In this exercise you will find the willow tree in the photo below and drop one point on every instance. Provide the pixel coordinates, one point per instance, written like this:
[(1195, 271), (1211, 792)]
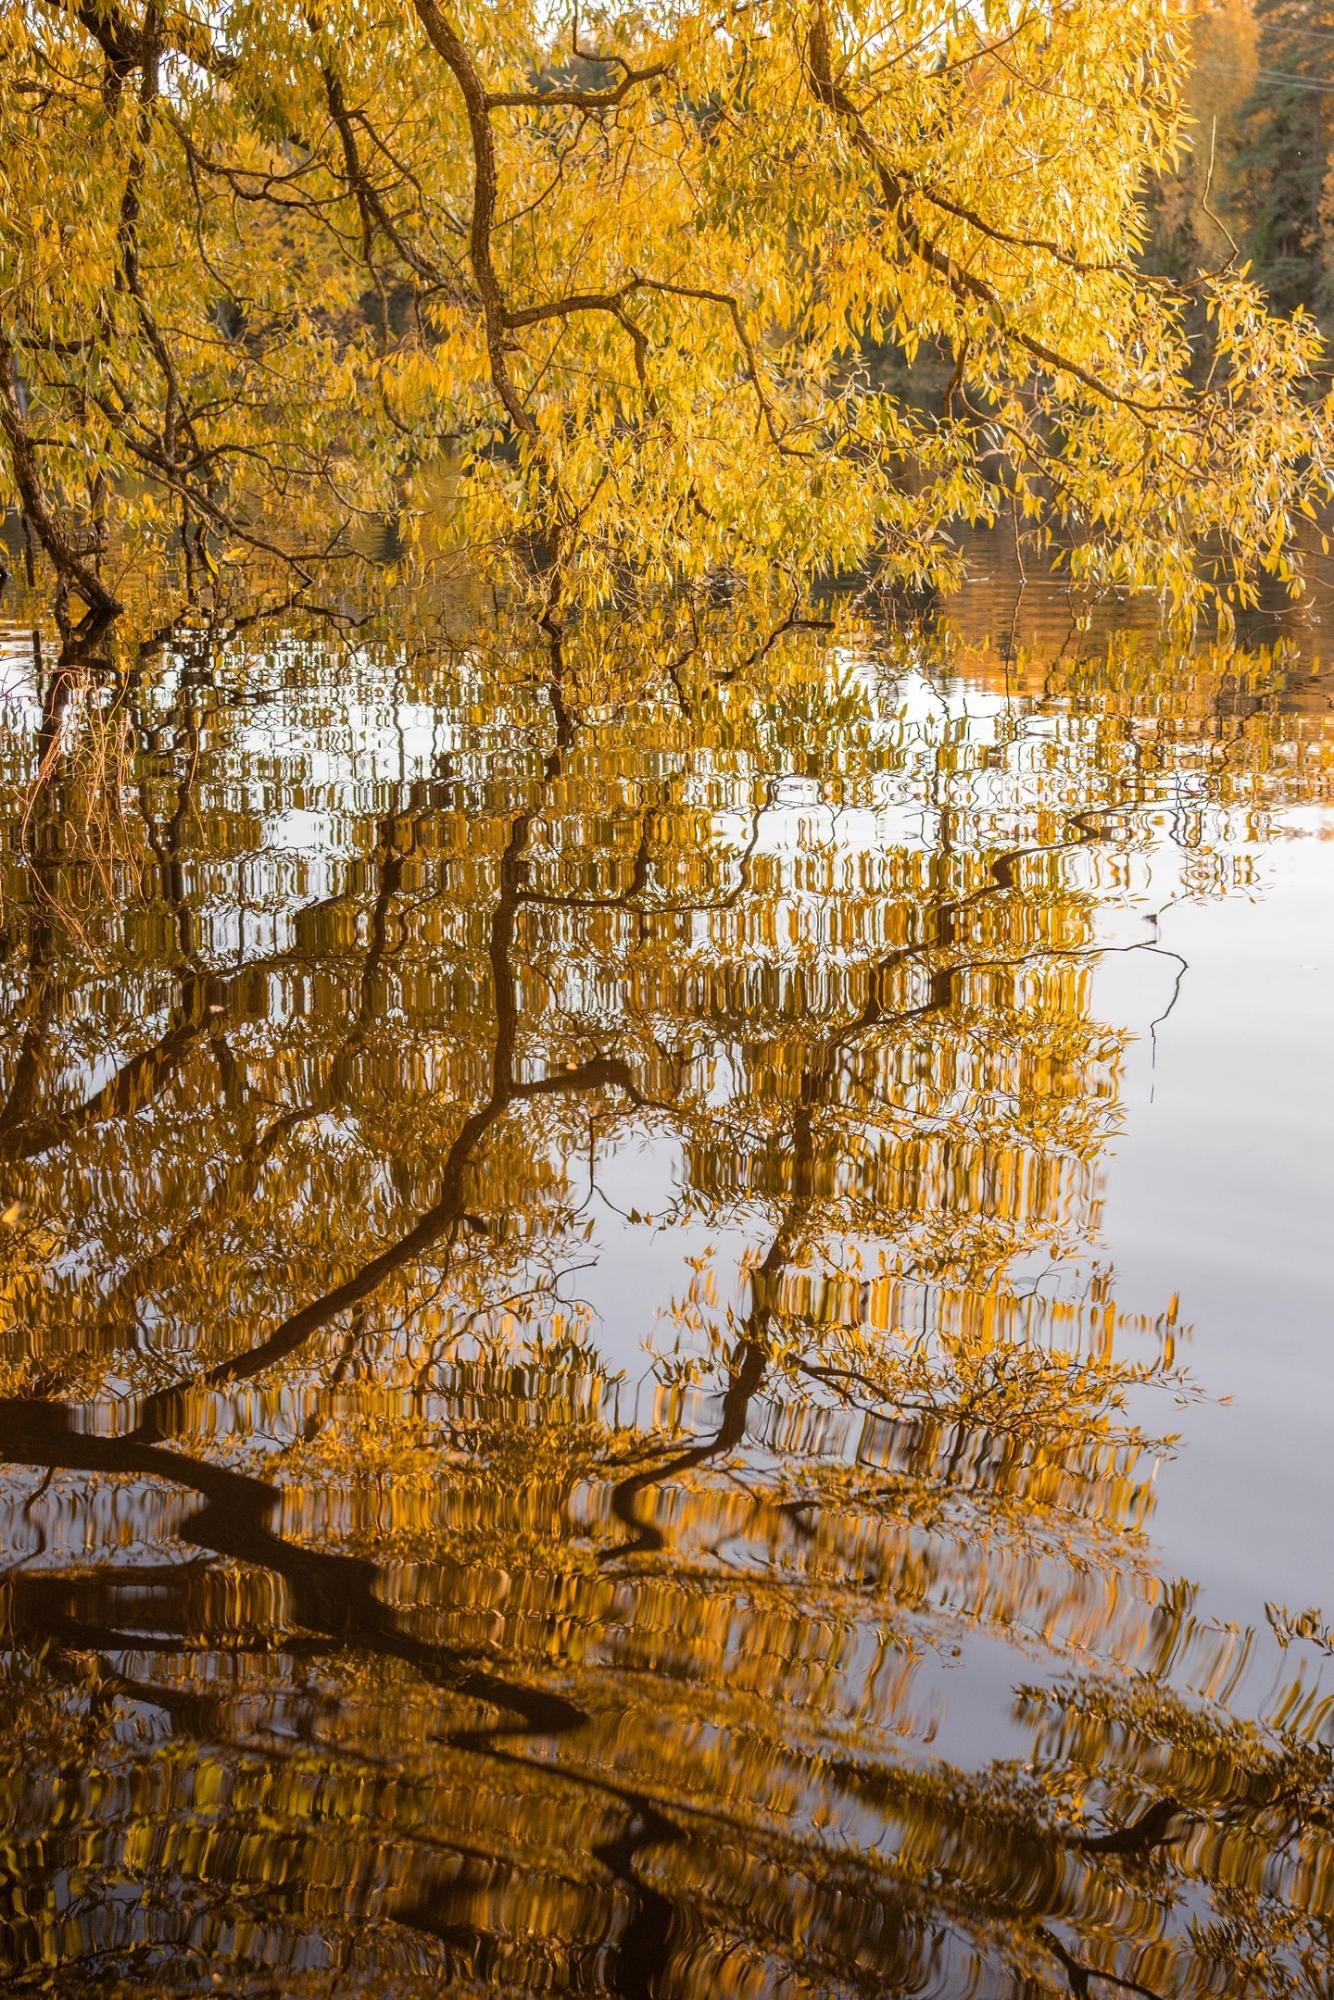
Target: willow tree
[(264, 269), (368, 1601)]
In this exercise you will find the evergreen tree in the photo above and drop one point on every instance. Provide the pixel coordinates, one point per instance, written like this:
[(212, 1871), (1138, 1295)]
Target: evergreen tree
[(1283, 160), (1195, 207)]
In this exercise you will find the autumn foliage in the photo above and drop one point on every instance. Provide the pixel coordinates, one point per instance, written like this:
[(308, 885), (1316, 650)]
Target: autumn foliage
[(604, 293)]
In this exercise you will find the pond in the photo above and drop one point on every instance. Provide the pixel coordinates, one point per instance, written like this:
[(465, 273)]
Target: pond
[(671, 1342)]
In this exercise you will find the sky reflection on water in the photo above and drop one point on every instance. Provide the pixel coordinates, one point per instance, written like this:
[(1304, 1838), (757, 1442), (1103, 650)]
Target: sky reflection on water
[(613, 1326)]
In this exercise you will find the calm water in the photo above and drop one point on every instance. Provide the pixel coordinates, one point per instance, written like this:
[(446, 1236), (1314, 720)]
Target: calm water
[(670, 1347)]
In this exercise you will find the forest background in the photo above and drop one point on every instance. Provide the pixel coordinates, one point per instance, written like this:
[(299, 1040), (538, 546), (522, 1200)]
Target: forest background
[(1260, 94)]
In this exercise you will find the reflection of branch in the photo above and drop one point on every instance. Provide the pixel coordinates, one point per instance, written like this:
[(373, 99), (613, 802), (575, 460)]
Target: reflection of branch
[(448, 1212), (141, 1077), (1156, 1023), (749, 1360), (1152, 1829), (331, 1594), (21, 1097), (127, 1091), (747, 1365), (793, 622), (443, 1217), (632, 897), (1080, 1974)]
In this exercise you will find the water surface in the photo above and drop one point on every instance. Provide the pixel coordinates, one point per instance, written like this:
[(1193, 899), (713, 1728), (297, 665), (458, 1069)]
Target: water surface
[(668, 1345)]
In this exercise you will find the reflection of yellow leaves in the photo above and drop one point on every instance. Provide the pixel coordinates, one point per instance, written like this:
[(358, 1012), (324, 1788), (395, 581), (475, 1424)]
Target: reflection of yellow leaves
[(894, 1144), (28, 1244), (1311, 1625)]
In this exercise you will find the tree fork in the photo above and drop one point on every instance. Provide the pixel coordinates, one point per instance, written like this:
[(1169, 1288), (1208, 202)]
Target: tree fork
[(69, 561)]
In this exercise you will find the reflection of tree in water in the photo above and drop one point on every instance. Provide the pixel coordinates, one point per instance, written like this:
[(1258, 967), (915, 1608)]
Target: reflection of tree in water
[(394, 1634)]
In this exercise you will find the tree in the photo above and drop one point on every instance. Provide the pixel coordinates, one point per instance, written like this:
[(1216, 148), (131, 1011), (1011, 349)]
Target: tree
[(1284, 156), (621, 268), (1195, 216)]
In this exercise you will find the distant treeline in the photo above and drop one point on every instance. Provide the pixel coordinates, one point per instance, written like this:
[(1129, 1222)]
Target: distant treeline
[(1262, 169)]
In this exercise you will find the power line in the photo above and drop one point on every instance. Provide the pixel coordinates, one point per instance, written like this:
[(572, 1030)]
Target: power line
[(1321, 87), (1299, 34)]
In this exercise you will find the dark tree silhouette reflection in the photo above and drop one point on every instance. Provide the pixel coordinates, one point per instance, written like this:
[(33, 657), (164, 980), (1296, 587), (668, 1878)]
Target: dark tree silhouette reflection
[(433, 1562)]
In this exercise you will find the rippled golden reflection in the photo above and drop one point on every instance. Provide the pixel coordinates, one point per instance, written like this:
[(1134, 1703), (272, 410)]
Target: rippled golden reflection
[(566, 1428)]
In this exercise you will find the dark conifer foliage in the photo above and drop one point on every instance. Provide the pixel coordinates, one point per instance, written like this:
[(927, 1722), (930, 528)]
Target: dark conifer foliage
[(1285, 134)]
